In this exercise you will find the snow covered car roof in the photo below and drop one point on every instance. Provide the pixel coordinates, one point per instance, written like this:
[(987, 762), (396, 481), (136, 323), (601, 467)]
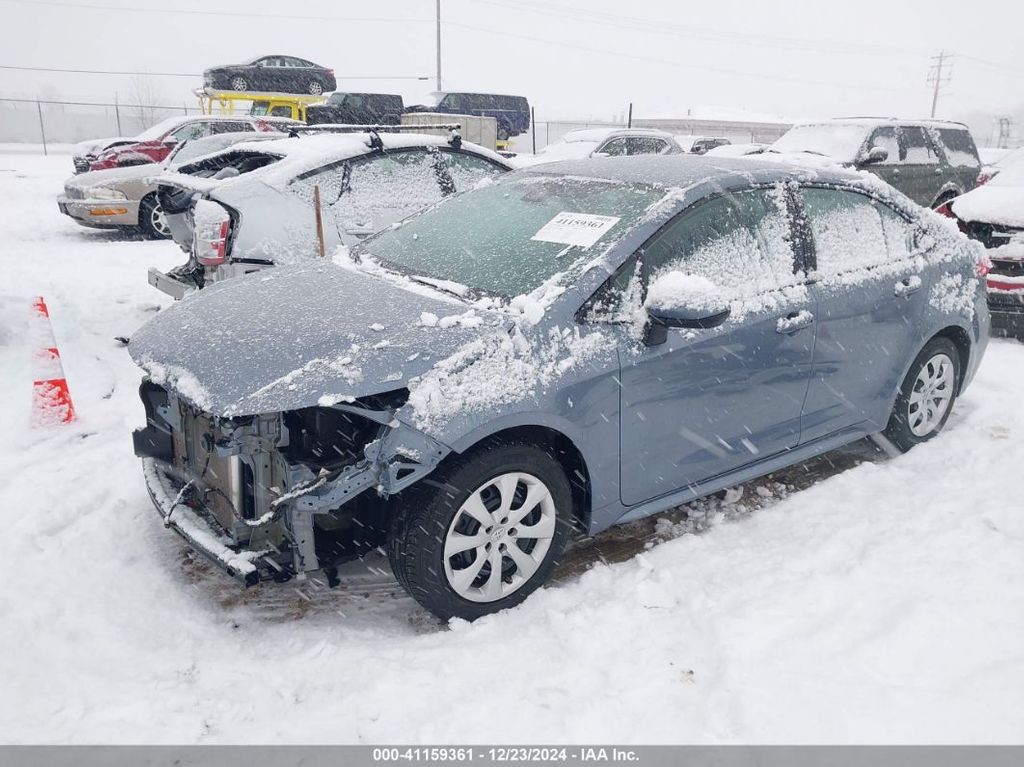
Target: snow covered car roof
[(685, 170), (299, 154), (599, 134)]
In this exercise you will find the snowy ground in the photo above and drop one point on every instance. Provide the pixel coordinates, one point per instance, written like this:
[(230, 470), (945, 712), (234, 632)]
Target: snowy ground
[(854, 599)]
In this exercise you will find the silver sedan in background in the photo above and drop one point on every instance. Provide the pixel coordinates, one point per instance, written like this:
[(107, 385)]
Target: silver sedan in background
[(126, 197)]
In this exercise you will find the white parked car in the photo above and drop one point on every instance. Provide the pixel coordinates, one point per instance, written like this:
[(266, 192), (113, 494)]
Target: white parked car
[(606, 142), (119, 198), (700, 144), (253, 205)]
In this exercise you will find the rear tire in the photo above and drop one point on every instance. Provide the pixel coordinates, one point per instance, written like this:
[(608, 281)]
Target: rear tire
[(315, 88), (152, 221), (483, 533), (927, 395)]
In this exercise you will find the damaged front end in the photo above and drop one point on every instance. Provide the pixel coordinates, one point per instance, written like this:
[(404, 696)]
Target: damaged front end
[(277, 495)]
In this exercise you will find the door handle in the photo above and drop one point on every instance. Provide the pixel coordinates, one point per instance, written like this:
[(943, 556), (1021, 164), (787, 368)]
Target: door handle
[(896, 171), (794, 322), (907, 286), (938, 171)]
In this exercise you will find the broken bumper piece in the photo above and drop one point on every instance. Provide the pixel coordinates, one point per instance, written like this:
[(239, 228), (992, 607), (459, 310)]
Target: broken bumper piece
[(249, 567)]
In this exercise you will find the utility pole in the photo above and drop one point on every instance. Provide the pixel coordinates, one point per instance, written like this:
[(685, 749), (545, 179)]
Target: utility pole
[(438, 25), (935, 76)]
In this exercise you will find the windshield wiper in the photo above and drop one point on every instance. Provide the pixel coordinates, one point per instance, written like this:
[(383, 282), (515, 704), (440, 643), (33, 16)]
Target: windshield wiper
[(445, 286)]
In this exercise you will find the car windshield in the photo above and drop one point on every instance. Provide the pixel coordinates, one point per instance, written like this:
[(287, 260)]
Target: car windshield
[(509, 238), (158, 130), (189, 150), (840, 142)]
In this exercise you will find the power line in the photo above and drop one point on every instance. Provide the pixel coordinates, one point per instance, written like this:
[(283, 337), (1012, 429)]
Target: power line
[(237, 14), (98, 71), (182, 74), (704, 34), (669, 62)]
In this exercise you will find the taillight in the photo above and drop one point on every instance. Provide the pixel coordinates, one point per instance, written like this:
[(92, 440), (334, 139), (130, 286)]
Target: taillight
[(985, 176), (211, 227), (984, 265), (945, 210)]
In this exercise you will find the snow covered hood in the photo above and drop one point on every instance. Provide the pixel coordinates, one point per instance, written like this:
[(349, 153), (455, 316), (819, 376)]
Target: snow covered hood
[(992, 204), (295, 337), (111, 177)]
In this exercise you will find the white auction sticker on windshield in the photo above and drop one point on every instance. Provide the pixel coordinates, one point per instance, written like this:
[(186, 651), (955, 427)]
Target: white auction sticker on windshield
[(582, 229)]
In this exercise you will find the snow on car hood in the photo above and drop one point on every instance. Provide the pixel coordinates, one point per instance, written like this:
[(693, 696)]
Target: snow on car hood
[(112, 176), (300, 336), (992, 204)]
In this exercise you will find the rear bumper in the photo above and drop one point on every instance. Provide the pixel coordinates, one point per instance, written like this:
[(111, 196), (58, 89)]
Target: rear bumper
[(100, 213), (249, 567), (1006, 309)]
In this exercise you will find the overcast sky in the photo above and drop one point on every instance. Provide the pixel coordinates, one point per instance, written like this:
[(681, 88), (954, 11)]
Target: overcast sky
[(571, 58)]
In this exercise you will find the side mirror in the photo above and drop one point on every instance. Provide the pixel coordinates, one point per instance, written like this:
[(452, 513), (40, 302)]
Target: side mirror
[(677, 300), (877, 154)]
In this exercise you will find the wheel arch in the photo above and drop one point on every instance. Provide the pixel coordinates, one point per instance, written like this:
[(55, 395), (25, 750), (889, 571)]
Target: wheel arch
[(959, 337), (546, 436), (962, 341)]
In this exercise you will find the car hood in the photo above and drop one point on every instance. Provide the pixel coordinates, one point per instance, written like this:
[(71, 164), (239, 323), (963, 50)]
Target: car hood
[(110, 177), (295, 337), (992, 204), (91, 146)]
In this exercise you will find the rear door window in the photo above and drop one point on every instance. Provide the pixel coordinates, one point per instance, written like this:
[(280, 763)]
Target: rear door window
[(917, 149), (230, 127), (848, 232), (645, 145), (959, 147)]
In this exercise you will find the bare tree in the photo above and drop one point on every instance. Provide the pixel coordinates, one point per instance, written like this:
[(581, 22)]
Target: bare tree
[(143, 98)]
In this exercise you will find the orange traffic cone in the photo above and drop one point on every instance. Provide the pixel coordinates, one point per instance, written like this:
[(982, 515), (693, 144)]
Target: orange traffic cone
[(51, 398)]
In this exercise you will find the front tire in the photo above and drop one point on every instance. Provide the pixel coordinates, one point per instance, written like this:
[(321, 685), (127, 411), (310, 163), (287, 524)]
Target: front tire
[(484, 533), (239, 84), (927, 395), (152, 220)]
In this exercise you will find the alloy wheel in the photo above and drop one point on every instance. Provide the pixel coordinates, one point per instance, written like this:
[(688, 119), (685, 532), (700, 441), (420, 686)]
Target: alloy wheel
[(316, 88), (931, 395), (158, 221), (238, 84), (499, 537)]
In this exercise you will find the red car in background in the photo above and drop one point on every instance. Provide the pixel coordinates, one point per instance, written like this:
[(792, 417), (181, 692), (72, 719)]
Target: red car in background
[(153, 145)]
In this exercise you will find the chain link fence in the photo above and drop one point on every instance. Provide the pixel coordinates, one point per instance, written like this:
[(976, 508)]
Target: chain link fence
[(47, 122)]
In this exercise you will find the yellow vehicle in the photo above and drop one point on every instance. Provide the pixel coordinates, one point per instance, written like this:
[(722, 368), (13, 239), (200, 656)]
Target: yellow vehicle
[(292, 105)]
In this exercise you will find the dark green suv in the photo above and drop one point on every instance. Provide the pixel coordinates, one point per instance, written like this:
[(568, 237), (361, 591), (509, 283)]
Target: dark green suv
[(930, 161)]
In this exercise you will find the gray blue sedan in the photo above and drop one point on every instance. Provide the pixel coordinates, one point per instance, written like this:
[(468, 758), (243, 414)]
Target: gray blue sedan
[(567, 348)]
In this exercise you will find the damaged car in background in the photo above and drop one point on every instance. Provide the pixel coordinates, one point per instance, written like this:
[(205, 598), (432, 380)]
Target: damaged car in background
[(465, 389), (993, 214), (118, 198), (254, 206)]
